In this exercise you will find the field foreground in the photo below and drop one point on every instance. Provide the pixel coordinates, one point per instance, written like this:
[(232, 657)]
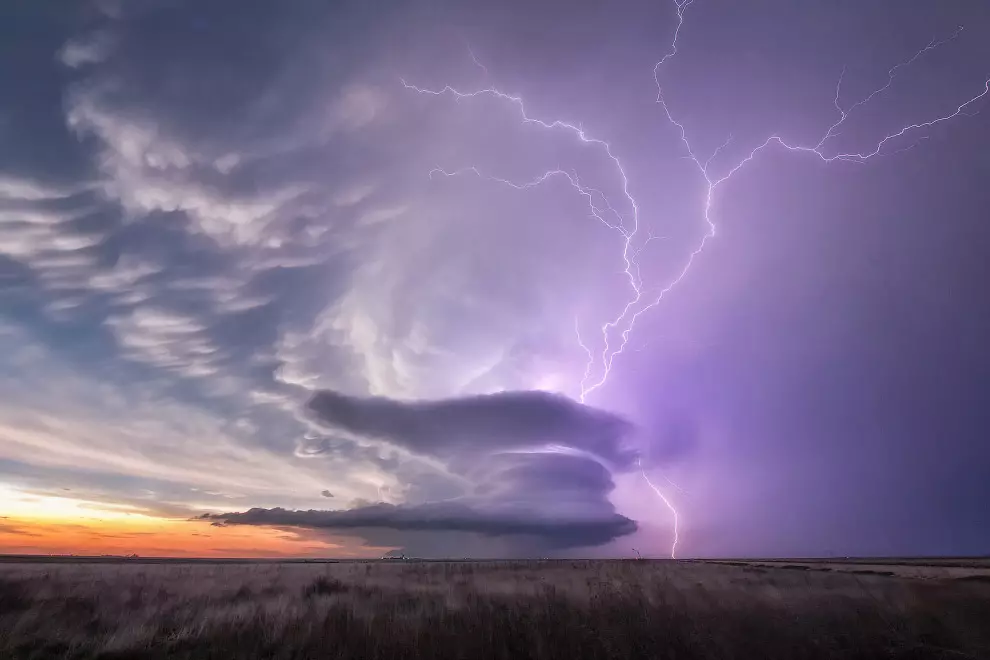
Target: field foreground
[(477, 610)]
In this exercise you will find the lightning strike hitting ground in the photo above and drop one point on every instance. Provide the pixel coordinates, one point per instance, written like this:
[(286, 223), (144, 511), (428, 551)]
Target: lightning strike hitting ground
[(673, 511), (628, 227)]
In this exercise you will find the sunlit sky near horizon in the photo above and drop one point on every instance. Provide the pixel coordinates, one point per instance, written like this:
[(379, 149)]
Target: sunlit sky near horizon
[(269, 287)]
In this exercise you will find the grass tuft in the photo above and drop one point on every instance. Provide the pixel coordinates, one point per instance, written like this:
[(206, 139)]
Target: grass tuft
[(324, 586)]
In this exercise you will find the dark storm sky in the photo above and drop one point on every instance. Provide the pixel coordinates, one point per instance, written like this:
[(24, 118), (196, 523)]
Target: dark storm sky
[(228, 284)]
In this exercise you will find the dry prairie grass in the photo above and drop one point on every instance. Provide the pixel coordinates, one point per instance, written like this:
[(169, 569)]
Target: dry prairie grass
[(474, 610)]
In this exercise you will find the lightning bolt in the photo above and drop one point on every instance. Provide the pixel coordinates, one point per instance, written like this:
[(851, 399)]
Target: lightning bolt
[(667, 502), (627, 225), (598, 205)]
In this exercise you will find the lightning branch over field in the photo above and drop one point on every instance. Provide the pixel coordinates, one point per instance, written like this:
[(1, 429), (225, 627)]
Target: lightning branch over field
[(669, 505), (616, 331)]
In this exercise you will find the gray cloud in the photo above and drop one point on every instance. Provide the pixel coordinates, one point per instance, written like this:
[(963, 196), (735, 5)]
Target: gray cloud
[(551, 531), (16, 529), (531, 465), (504, 421)]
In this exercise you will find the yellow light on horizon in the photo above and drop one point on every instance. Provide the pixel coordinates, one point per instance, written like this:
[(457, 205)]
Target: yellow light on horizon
[(34, 506), (51, 524)]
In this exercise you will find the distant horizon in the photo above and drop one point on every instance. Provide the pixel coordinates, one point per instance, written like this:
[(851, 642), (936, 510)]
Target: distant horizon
[(6, 556)]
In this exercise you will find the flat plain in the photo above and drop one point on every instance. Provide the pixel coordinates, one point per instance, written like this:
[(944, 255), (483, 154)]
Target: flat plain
[(733, 609)]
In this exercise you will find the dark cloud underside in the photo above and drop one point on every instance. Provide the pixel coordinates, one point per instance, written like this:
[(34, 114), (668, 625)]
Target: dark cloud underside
[(445, 517)]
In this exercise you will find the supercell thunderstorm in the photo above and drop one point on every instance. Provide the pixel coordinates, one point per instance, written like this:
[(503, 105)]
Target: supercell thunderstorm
[(616, 332)]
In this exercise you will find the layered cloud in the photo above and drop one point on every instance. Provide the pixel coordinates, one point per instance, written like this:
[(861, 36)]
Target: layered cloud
[(490, 423), (532, 466), (543, 531)]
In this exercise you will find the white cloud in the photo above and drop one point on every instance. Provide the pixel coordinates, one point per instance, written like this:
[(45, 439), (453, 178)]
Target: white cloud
[(354, 194), (17, 189), (125, 277), (134, 431), (91, 49), (359, 105), (167, 340), (145, 170)]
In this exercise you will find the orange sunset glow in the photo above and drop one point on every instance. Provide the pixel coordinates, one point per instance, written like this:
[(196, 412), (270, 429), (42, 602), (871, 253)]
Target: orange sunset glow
[(55, 525)]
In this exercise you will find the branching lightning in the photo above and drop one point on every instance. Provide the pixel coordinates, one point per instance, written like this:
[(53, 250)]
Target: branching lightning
[(627, 225), (627, 228)]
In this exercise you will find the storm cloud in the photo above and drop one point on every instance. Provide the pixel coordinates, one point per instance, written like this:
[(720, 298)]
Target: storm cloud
[(502, 421), (441, 517), (533, 466)]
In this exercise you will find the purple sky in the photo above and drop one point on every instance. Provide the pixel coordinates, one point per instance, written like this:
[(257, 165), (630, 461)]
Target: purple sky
[(229, 282)]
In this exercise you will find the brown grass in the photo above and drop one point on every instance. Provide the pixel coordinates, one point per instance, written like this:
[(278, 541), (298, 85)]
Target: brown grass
[(474, 610)]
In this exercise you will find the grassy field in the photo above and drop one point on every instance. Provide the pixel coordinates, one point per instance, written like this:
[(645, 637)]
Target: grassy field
[(477, 610)]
